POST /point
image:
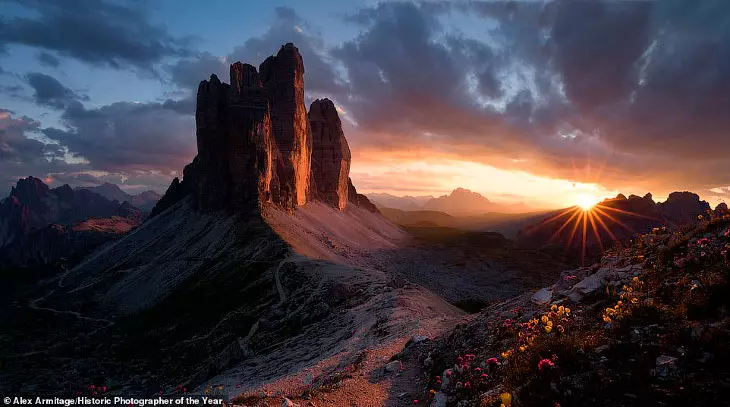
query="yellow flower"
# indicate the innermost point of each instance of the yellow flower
(544, 319)
(432, 391)
(507, 353)
(554, 307)
(550, 323)
(635, 279)
(619, 303)
(634, 300)
(561, 308)
(506, 399)
(548, 328)
(567, 311)
(523, 348)
(606, 318)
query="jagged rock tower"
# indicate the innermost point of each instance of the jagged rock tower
(330, 155)
(256, 144)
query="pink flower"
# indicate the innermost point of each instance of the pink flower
(484, 375)
(492, 361)
(467, 385)
(478, 370)
(545, 364)
(448, 373)
(415, 401)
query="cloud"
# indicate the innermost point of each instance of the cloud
(320, 75)
(21, 155)
(633, 87)
(97, 32)
(127, 136)
(48, 60)
(48, 91)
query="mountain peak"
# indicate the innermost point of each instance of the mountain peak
(257, 145)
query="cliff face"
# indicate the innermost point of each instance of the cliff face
(330, 154)
(256, 147)
(283, 78)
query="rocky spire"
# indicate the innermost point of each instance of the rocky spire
(330, 154)
(283, 78)
(255, 144)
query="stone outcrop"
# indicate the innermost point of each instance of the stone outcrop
(330, 154)
(283, 78)
(256, 147)
(359, 200)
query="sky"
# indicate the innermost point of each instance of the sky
(523, 101)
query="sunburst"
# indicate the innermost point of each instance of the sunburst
(587, 216)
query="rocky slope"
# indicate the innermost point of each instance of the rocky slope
(644, 326)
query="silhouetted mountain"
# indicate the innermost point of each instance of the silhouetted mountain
(405, 203)
(145, 200)
(463, 202)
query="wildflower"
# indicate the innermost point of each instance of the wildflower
(567, 311)
(415, 401)
(606, 319)
(484, 376)
(544, 319)
(506, 399)
(523, 348)
(506, 354)
(432, 392)
(478, 369)
(548, 328)
(448, 373)
(554, 307)
(545, 364)
(561, 329)
(467, 385)
(492, 361)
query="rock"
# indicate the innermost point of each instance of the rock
(418, 339)
(283, 78)
(358, 199)
(588, 285)
(543, 296)
(393, 366)
(285, 402)
(330, 154)
(666, 365)
(439, 400)
(255, 145)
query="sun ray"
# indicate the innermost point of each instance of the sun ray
(599, 210)
(565, 224)
(583, 248)
(603, 224)
(556, 217)
(572, 234)
(625, 212)
(591, 215)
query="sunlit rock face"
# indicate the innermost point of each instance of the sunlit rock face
(256, 147)
(283, 78)
(330, 154)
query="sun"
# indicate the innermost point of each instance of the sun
(586, 202)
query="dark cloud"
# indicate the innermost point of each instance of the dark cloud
(320, 75)
(48, 91)
(98, 32)
(126, 136)
(22, 155)
(47, 59)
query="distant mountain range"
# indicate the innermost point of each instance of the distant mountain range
(39, 225)
(145, 200)
(460, 202)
